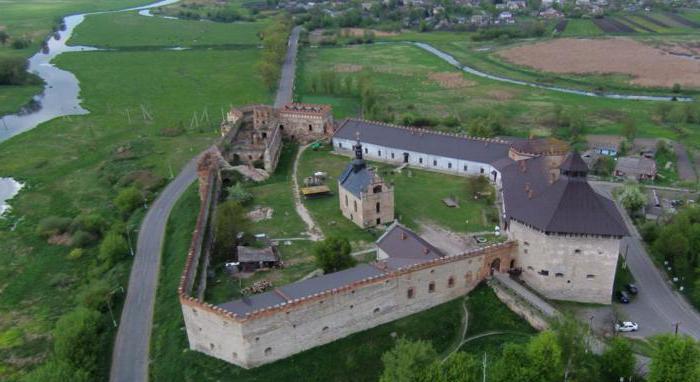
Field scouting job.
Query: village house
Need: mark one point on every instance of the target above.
(251, 259)
(604, 144)
(516, 5)
(505, 18)
(551, 13)
(638, 168)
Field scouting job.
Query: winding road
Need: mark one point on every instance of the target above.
(130, 356)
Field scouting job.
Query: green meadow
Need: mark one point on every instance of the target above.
(151, 111)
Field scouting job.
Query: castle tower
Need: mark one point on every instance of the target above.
(363, 195)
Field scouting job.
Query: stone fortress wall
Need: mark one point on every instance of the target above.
(273, 333)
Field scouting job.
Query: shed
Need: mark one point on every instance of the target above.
(251, 259)
(639, 168)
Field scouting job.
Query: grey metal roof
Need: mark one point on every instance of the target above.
(564, 205)
(254, 302)
(356, 179)
(250, 254)
(636, 165)
(423, 141)
(400, 242)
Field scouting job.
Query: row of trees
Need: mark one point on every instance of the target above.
(274, 39)
(330, 83)
(552, 356)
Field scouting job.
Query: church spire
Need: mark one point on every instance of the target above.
(358, 163)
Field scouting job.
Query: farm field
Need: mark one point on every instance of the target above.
(142, 105)
(406, 89)
(581, 27)
(646, 65)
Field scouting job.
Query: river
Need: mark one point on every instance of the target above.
(8, 189)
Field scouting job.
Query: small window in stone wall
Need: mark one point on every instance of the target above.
(340, 145)
(431, 287)
(268, 351)
(577, 251)
(235, 355)
(590, 276)
(410, 293)
(525, 251)
(450, 282)
(392, 155)
(379, 152)
(465, 167)
(324, 328)
(420, 160)
(529, 268)
(211, 346)
(558, 274)
(366, 150)
(468, 277)
(481, 171)
(376, 310)
(525, 243)
(544, 272)
(449, 165)
(434, 163)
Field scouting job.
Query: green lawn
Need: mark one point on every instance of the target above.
(70, 165)
(418, 198)
(132, 30)
(13, 97)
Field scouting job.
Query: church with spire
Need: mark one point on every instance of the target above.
(364, 197)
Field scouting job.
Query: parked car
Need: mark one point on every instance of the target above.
(632, 288)
(623, 297)
(626, 326)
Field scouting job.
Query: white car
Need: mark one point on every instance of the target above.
(626, 326)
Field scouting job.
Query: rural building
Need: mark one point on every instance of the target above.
(604, 144)
(251, 259)
(551, 13)
(364, 197)
(639, 168)
(255, 133)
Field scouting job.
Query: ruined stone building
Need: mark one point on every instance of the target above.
(364, 197)
(254, 133)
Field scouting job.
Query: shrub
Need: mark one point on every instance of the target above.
(57, 371)
(230, 219)
(91, 223)
(13, 71)
(82, 239)
(95, 295)
(649, 231)
(333, 254)
(77, 338)
(128, 200)
(113, 247)
(21, 43)
(53, 225)
(238, 193)
(76, 253)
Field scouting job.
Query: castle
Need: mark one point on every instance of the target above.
(562, 234)
(254, 133)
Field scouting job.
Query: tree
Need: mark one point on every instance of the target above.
(407, 360)
(333, 254)
(629, 129)
(672, 245)
(229, 220)
(4, 37)
(676, 359)
(128, 200)
(545, 358)
(77, 338)
(113, 247)
(604, 166)
(458, 367)
(618, 360)
(632, 198)
(572, 338)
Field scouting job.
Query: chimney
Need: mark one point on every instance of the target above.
(529, 194)
(403, 235)
(552, 177)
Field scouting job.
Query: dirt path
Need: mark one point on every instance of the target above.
(465, 326)
(312, 229)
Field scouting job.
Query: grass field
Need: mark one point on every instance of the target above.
(129, 29)
(581, 27)
(418, 198)
(401, 77)
(69, 166)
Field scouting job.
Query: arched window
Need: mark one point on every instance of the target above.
(354, 204)
(450, 282)
(377, 207)
(410, 293)
(268, 351)
(377, 189)
(431, 287)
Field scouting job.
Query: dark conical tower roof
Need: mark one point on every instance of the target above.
(574, 166)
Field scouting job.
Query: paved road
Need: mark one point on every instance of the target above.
(285, 90)
(131, 347)
(657, 307)
(130, 356)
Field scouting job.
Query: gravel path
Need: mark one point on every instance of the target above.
(312, 229)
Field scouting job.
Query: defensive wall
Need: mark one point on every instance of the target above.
(297, 324)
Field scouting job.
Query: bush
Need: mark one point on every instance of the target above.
(76, 253)
(113, 247)
(649, 231)
(13, 71)
(77, 339)
(90, 223)
(57, 371)
(95, 295)
(53, 225)
(238, 193)
(82, 239)
(128, 200)
(21, 43)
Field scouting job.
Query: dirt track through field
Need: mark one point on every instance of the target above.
(648, 66)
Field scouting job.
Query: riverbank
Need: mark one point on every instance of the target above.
(150, 112)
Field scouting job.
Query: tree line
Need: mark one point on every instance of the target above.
(274, 41)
